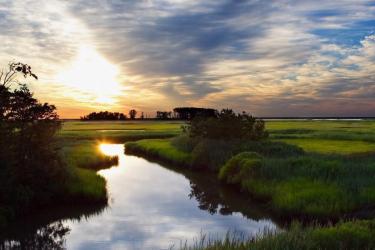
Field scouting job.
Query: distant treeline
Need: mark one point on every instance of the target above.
(108, 116)
(179, 113)
(185, 113)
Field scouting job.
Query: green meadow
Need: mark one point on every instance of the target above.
(311, 171)
(306, 169)
(326, 137)
(309, 168)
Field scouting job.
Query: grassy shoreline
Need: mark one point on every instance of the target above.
(304, 186)
(354, 235)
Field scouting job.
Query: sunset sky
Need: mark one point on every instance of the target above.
(270, 58)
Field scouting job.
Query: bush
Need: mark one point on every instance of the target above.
(227, 125)
(242, 166)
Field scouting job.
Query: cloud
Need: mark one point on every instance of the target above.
(178, 52)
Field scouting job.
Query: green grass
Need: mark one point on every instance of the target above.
(326, 146)
(86, 186)
(308, 186)
(119, 131)
(293, 183)
(326, 137)
(83, 159)
(160, 149)
(353, 235)
(86, 154)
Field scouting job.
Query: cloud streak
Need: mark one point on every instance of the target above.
(308, 57)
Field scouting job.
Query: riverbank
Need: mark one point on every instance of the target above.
(353, 235)
(81, 185)
(327, 180)
(294, 183)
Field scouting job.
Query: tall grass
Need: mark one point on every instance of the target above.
(160, 149)
(86, 186)
(86, 154)
(311, 186)
(353, 235)
(293, 183)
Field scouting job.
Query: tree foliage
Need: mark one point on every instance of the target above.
(226, 124)
(30, 168)
(188, 113)
(106, 116)
(132, 114)
(163, 115)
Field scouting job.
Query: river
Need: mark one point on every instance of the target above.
(150, 207)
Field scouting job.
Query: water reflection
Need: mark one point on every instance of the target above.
(47, 228)
(150, 207)
(51, 236)
(111, 149)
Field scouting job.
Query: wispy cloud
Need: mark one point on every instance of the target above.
(267, 57)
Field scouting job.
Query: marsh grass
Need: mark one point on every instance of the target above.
(353, 235)
(292, 182)
(160, 149)
(119, 131)
(310, 186)
(86, 186)
(86, 154)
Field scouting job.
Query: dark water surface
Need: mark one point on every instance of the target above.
(150, 207)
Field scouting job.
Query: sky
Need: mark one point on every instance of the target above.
(269, 58)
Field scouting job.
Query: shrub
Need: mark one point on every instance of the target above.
(243, 165)
(227, 125)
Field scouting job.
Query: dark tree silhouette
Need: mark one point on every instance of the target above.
(227, 125)
(7, 77)
(108, 116)
(163, 115)
(132, 114)
(188, 113)
(29, 161)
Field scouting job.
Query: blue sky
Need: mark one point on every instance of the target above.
(270, 58)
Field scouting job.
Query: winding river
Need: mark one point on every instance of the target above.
(150, 207)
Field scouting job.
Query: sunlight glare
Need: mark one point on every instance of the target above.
(111, 149)
(91, 73)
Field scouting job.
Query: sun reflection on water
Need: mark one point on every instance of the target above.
(111, 149)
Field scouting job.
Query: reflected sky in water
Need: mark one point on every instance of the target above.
(150, 208)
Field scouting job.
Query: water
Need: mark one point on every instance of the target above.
(150, 207)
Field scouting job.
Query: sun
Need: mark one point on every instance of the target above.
(92, 76)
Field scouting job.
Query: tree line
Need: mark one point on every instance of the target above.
(180, 113)
(110, 116)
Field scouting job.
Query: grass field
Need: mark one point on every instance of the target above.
(319, 136)
(326, 137)
(119, 131)
(332, 176)
(306, 169)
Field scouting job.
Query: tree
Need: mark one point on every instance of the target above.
(29, 161)
(188, 113)
(7, 77)
(107, 116)
(227, 125)
(163, 115)
(132, 114)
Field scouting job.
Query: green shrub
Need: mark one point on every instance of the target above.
(227, 125)
(242, 166)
